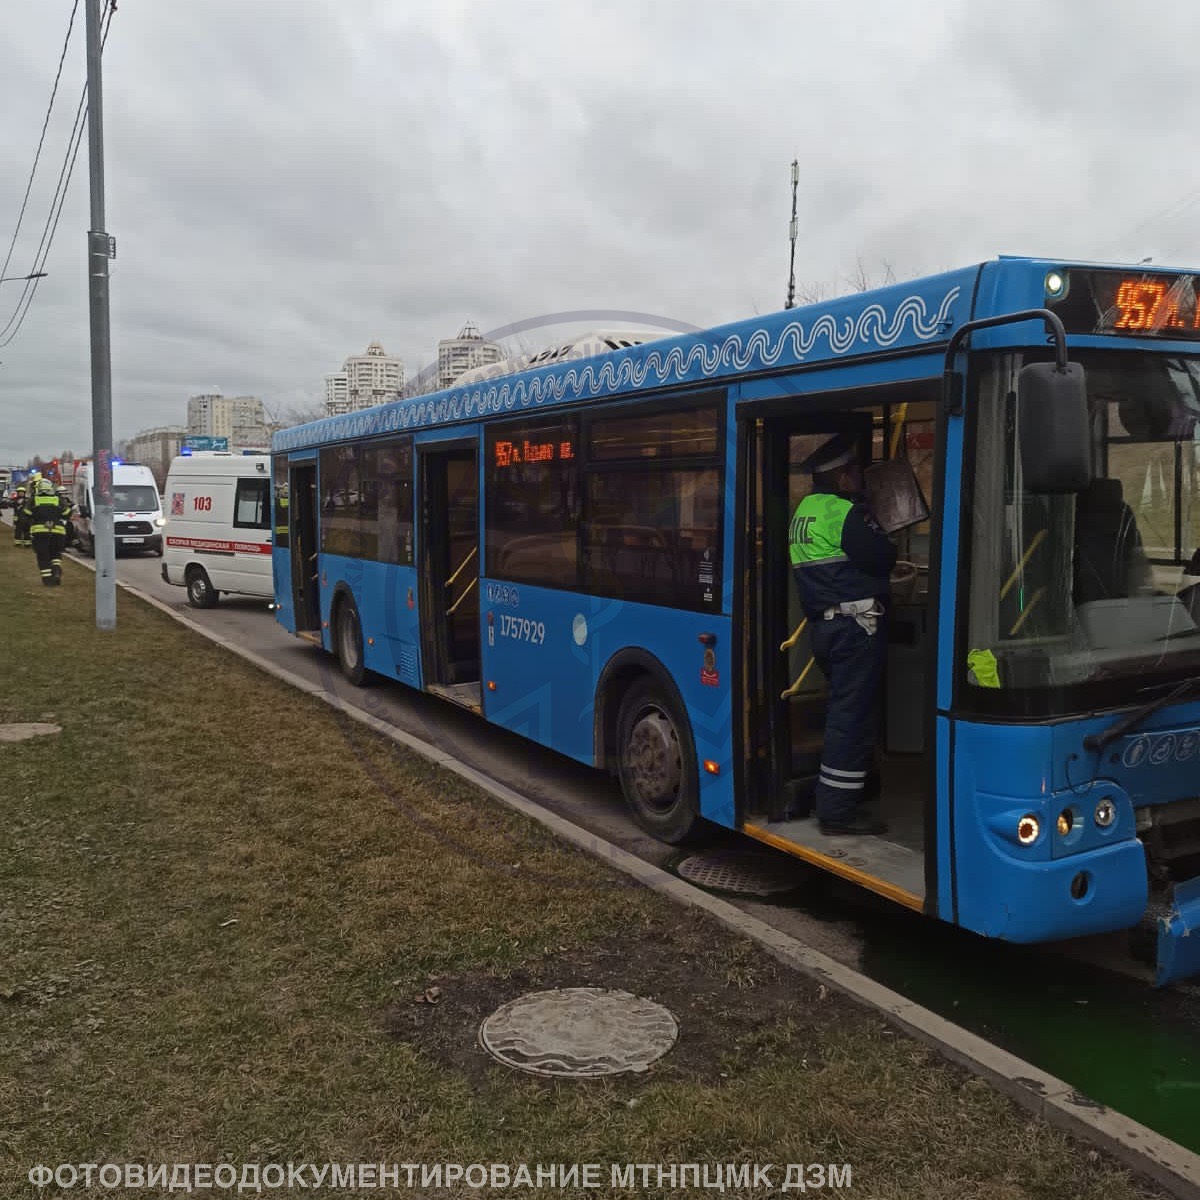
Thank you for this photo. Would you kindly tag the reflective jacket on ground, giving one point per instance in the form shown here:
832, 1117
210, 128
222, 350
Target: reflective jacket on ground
838, 553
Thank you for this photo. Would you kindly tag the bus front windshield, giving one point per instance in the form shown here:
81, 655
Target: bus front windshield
1076, 601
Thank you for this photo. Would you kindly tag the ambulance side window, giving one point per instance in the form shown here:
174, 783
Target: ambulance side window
250, 505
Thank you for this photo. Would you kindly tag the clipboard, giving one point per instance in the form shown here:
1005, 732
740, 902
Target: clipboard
894, 496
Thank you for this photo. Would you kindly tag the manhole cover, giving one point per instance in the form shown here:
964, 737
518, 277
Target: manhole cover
579, 1033
745, 872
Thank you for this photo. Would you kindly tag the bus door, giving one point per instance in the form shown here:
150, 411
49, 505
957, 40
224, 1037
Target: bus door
448, 566
785, 691
306, 573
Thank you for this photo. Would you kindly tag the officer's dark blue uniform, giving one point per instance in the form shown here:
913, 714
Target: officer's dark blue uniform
842, 562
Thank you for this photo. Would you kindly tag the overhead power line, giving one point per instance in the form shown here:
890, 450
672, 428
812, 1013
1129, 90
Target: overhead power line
41, 140
25, 300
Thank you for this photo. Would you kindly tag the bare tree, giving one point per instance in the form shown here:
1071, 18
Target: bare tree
811, 293
861, 280
283, 416
423, 382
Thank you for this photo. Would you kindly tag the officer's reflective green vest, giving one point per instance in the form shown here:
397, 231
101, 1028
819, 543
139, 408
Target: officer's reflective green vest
815, 534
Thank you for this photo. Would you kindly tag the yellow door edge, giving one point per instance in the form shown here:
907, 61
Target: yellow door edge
880, 886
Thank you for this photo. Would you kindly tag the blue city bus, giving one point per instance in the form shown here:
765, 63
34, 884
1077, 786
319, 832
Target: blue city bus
592, 552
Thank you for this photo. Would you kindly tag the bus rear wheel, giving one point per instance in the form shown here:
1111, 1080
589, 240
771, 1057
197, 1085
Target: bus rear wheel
656, 763
348, 642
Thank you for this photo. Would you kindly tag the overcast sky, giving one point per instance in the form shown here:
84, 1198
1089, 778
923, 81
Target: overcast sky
288, 181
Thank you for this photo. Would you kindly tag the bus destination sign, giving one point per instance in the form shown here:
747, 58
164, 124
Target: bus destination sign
1144, 304
511, 454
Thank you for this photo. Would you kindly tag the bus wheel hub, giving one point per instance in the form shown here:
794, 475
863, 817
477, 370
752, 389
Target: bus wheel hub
654, 758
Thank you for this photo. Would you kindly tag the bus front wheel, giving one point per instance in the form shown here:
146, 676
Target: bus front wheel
656, 763
349, 642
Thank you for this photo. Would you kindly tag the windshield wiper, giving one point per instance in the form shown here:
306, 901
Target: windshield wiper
1098, 741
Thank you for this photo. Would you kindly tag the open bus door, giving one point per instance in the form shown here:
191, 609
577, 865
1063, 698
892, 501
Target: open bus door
785, 691
448, 567
306, 570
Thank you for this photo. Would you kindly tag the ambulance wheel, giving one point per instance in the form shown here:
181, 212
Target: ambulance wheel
348, 642
656, 762
200, 591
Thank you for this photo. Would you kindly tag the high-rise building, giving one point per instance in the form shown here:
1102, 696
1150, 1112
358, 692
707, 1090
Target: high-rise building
364, 380
459, 354
241, 419
337, 393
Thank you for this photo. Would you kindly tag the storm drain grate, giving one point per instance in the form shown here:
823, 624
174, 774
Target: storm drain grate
744, 872
579, 1033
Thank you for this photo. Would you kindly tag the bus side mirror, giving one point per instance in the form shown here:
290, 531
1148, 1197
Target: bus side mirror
1053, 427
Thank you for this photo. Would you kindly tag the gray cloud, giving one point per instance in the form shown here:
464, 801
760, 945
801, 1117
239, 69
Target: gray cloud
289, 182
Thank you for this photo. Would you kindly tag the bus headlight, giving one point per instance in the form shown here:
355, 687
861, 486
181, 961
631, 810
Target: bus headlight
1106, 812
1028, 829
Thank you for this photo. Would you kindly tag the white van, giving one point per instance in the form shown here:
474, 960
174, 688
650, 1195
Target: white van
218, 534
137, 513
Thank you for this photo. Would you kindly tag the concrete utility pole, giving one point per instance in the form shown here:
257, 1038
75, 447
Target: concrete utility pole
98, 255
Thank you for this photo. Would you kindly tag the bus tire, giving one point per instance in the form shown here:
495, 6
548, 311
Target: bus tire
656, 762
348, 641
200, 591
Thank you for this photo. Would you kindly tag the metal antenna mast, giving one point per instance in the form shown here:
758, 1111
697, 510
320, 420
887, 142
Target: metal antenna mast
793, 230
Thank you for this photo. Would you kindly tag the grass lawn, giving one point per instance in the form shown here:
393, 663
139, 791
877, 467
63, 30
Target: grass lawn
219, 901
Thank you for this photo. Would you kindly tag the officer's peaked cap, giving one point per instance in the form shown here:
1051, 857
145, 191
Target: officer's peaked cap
836, 452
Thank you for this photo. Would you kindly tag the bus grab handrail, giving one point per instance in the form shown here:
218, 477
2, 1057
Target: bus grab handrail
462, 565
1054, 326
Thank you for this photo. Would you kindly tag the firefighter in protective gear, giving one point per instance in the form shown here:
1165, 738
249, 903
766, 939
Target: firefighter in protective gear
58, 533
43, 512
20, 520
842, 561
66, 511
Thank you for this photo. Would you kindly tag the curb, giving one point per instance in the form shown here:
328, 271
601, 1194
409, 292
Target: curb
1036, 1091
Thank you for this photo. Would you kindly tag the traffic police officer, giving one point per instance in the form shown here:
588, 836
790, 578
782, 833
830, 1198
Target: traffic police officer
842, 561
43, 512
20, 520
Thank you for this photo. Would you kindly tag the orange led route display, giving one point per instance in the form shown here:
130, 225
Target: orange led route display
1145, 305
1149, 304
511, 454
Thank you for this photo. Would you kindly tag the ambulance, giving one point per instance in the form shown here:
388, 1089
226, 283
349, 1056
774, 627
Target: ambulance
218, 532
137, 511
